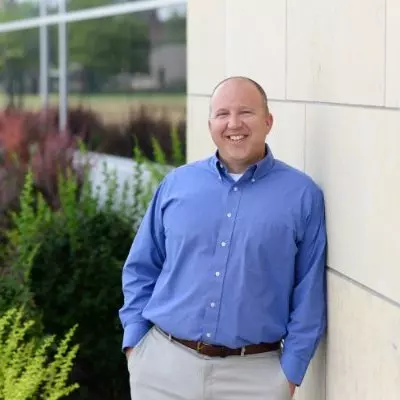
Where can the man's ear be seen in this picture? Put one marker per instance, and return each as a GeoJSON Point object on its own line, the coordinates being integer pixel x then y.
{"type": "Point", "coordinates": [269, 121]}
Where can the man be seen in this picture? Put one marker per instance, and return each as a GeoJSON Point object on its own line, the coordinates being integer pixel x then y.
{"type": "Point", "coordinates": [225, 282]}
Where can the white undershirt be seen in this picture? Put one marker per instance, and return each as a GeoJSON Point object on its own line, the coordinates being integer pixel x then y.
{"type": "Point", "coordinates": [236, 177]}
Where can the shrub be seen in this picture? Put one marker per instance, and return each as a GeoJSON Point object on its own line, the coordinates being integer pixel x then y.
{"type": "Point", "coordinates": [141, 129]}
{"type": "Point", "coordinates": [28, 143]}
{"type": "Point", "coordinates": [62, 245]}
{"type": "Point", "coordinates": [30, 140]}
{"type": "Point", "coordinates": [18, 252]}
{"type": "Point", "coordinates": [30, 368]}
{"type": "Point", "coordinates": [65, 262]}
{"type": "Point", "coordinates": [21, 131]}
{"type": "Point", "coordinates": [66, 265]}
{"type": "Point", "coordinates": [83, 285]}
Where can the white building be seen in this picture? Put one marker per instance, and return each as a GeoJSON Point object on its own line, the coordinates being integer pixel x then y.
{"type": "Point", "coordinates": [332, 72]}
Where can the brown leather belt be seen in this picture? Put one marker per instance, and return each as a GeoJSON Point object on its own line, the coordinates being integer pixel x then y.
{"type": "Point", "coordinates": [222, 351]}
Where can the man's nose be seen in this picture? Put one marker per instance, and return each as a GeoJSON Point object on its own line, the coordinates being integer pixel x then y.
{"type": "Point", "coordinates": [234, 121]}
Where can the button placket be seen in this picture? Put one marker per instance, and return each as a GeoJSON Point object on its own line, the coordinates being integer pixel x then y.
{"type": "Point", "coordinates": [221, 256]}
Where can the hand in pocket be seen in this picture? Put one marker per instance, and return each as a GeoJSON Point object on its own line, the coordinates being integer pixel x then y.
{"type": "Point", "coordinates": [128, 352]}
{"type": "Point", "coordinates": [292, 388]}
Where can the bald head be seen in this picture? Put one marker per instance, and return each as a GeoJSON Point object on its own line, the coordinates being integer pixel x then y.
{"type": "Point", "coordinates": [239, 122]}
{"type": "Point", "coordinates": [251, 82]}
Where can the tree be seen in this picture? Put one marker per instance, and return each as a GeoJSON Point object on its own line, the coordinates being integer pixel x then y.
{"type": "Point", "coordinates": [175, 29]}
{"type": "Point", "coordinates": [19, 52]}
{"type": "Point", "coordinates": [107, 46]}
{"type": "Point", "coordinates": [101, 48]}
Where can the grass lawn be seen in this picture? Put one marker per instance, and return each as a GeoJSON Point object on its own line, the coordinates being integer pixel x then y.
{"type": "Point", "coordinates": [116, 107]}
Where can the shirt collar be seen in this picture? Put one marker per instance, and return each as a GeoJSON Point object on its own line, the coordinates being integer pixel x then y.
{"type": "Point", "coordinates": [257, 170]}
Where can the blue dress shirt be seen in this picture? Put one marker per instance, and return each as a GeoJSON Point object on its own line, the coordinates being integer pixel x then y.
{"type": "Point", "coordinates": [231, 263]}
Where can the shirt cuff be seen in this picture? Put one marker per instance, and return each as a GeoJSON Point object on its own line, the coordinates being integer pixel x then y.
{"type": "Point", "coordinates": [294, 368]}
{"type": "Point", "coordinates": [133, 333]}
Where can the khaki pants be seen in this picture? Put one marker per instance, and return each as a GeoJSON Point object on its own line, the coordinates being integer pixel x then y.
{"type": "Point", "coordinates": [161, 369]}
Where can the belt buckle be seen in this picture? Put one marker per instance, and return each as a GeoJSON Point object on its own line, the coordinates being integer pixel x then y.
{"type": "Point", "coordinates": [200, 346]}
{"type": "Point", "coordinates": [223, 350]}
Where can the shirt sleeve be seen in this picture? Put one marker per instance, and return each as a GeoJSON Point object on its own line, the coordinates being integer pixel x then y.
{"type": "Point", "coordinates": [141, 270]}
{"type": "Point", "coordinates": [308, 306]}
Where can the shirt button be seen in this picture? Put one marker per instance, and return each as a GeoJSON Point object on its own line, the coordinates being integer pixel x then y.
{"type": "Point", "coordinates": [253, 180]}
{"type": "Point", "coordinates": [212, 305]}
{"type": "Point", "coordinates": [229, 215]}
{"type": "Point", "coordinates": [235, 189]}
{"type": "Point", "coordinates": [217, 274]}
{"type": "Point", "coordinates": [223, 244]}
{"type": "Point", "coordinates": [208, 334]}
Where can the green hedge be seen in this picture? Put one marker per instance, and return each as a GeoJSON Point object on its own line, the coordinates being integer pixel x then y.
{"type": "Point", "coordinates": [64, 265]}
{"type": "Point", "coordinates": [31, 368]}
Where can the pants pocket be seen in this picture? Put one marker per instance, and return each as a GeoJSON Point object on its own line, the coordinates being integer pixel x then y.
{"type": "Point", "coordinates": [285, 384]}
{"type": "Point", "coordinates": [134, 354]}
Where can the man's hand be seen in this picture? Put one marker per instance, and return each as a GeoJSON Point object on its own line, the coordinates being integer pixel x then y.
{"type": "Point", "coordinates": [292, 388]}
{"type": "Point", "coordinates": [128, 352]}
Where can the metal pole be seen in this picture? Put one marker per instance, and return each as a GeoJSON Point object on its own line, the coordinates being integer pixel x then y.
{"type": "Point", "coordinates": [44, 58]}
{"type": "Point", "coordinates": [112, 10]}
{"type": "Point", "coordinates": [62, 68]}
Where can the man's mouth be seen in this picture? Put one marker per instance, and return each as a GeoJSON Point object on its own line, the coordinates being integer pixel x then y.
{"type": "Point", "coordinates": [236, 138]}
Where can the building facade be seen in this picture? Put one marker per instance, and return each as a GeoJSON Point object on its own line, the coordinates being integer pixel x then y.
{"type": "Point", "coordinates": [332, 73]}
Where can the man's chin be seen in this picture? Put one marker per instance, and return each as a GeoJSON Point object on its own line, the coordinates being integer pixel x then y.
{"type": "Point", "coordinates": [238, 154]}
{"type": "Point", "coordinates": [240, 158]}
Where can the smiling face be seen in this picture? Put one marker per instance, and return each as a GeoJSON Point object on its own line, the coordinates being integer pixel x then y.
{"type": "Point", "coordinates": [239, 123]}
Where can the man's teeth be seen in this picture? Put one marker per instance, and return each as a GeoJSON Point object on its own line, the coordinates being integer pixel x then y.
{"type": "Point", "coordinates": [236, 137]}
